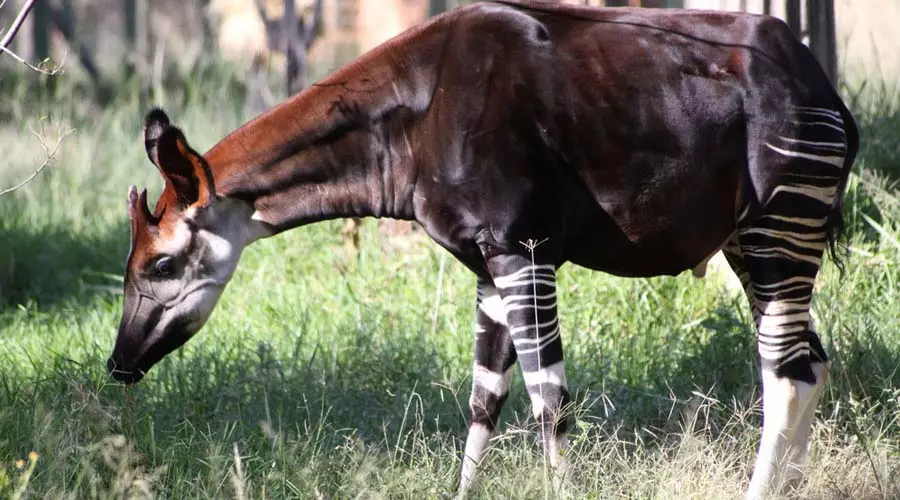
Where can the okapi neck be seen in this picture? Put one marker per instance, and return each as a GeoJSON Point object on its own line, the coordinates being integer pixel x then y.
{"type": "Point", "coordinates": [304, 162]}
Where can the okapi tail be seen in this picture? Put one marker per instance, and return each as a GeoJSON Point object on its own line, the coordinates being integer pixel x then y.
{"type": "Point", "coordinates": [835, 226]}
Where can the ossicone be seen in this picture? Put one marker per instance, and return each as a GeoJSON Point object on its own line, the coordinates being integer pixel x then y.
{"type": "Point", "coordinates": [138, 209]}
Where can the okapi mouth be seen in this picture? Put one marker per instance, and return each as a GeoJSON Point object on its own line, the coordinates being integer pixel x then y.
{"type": "Point", "coordinates": [172, 338]}
{"type": "Point", "coordinates": [124, 376]}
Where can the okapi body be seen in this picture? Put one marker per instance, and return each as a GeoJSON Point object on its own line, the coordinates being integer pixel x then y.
{"type": "Point", "coordinates": [634, 142]}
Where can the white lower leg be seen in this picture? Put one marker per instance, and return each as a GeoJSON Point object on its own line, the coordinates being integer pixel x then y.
{"type": "Point", "coordinates": [557, 447]}
{"type": "Point", "coordinates": [555, 444]}
{"type": "Point", "coordinates": [485, 409]}
{"type": "Point", "coordinates": [798, 448]}
{"type": "Point", "coordinates": [785, 404]}
{"type": "Point", "coordinates": [476, 443]}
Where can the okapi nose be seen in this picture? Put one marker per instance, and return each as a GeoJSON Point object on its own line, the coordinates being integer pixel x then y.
{"type": "Point", "coordinates": [126, 377]}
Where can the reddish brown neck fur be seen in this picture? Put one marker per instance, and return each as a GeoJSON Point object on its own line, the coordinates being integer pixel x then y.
{"type": "Point", "coordinates": [341, 148]}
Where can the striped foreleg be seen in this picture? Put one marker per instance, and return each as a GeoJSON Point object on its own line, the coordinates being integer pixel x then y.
{"type": "Point", "coordinates": [529, 299]}
{"type": "Point", "coordinates": [494, 358]}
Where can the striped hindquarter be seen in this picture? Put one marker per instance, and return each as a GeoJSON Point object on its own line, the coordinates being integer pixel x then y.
{"type": "Point", "coordinates": [517, 320]}
{"type": "Point", "coordinates": [776, 252]}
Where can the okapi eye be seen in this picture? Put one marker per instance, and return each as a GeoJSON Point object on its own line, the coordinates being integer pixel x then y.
{"type": "Point", "coordinates": [164, 267]}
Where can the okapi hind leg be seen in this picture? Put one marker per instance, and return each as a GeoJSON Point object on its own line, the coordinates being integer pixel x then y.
{"type": "Point", "coordinates": [491, 371]}
{"type": "Point", "coordinates": [782, 248]}
{"type": "Point", "coordinates": [793, 374]}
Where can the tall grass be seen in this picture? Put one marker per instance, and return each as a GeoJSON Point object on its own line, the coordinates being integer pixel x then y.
{"type": "Point", "coordinates": [321, 376]}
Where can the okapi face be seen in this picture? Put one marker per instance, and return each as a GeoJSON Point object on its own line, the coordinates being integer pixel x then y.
{"type": "Point", "coordinates": [181, 256]}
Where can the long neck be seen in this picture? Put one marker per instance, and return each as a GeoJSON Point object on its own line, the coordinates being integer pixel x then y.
{"type": "Point", "coordinates": [341, 148]}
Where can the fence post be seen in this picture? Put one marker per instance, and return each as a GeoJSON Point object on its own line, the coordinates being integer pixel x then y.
{"type": "Point", "coordinates": [820, 20]}
{"type": "Point", "coordinates": [792, 16]}
{"type": "Point", "coordinates": [40, 22]}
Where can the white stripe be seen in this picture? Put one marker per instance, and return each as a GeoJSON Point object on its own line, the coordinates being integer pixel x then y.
{"type": "Point", "coordinates": [532, 327]}
{"type": "Point", "coordinates": [522, 351]}
{"type": "Point", "coordinates": [554, 374]}
{"type": "Point", "coordinates": [518, 307]}
{"type": "Point", "coordinates": [778, 252]}
{"type": "Point", "coordinates": [823, 124]}
{"type": "Point", "coordinates": [527, 271]}
{"type": "Point", "coordinates": [836, 161]}
{"type": "Point", "coordinates": [817, 110]}
{"type": "Point", "coordinates": [495, 383]}
{"type": "Point", "coordinates": [552, 333]}
{"type": "Point", "coordinates": [789, 289]}
{"type": "Point", "coordinates": [770, 322]}
{"type": "Point", "coordinates": [783, 306]}
{"type": "Point", "coordinates": [794, 351]}
{"type": "Point", "coordinates": [784, 234]}
{"type": "Point", "coordinates": [795, 355]}
{"type": "Point", "coordinates": [514, 298]}
{"type": "Point", "coordinates": [815, 144]}
{"type": "Point", "coordinates": [799, 220]}
{"type": "Point", "coordinates": [822, 194]}
{"type": "Point", "coordinates": [795, 279]}
{"type": "Point", "coordinates": [526, 281]}
{"type": "Point", "coordinates": [492, 307]}
{"type": "Point", "coordinates": [792, 238]}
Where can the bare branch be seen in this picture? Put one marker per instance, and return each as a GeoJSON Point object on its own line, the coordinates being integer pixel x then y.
{"type": "Point", "coordinates": [17, 23]}
{"type": "Point", "coordinates": [49, 155]}
{"type": "Point", "coordinates": [11, 33]}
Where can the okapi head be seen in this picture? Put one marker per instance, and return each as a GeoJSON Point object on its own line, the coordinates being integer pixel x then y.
{"type": "Point", "coordinates": [182, 254]}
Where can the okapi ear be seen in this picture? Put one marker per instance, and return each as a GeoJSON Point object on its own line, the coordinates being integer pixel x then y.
{"type": "Point", "coordinates": [184, 169]}
{"type": "Point", "coordinates": [154, 125]}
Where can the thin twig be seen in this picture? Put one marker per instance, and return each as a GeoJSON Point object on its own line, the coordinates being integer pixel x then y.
{"type": "Point", "coordinates": [17, 23]}
{"type": "Point", "coordinates": [11, 33]}
{"type": "Point", "coordinates": [50, 154]}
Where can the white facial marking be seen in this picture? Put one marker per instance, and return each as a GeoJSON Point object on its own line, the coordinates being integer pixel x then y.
{"type": "Point", "coordinates": [220, 248]}
{"type": "Point", "coordinates": [181, 237]}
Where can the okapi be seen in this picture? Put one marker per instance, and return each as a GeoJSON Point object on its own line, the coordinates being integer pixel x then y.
{"type": "Point", "coordinates": [634, 142]}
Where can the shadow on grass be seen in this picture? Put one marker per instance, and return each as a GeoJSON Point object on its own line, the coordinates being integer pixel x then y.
{"type": "Point", "coordinates": [49, 265]}
{"type": "Point", "coordinates": [374, 390]}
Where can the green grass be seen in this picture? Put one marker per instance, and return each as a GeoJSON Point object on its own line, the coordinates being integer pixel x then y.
{"type": "Point", "coordinates": [325, 377]}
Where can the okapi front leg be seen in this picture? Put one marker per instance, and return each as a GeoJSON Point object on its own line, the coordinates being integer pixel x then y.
{"type": "Point", "coordinates": [529, 299]}
{"type": "Point", "coordinates": [494, 357]}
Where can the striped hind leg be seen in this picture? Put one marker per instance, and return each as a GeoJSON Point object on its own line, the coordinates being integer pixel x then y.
{"type": "Point", "coordinates": [494, 358]}
{"type": "Point", "coordinates": [781, 248]}
{"type": "Point", "coordinates": [528, 292]}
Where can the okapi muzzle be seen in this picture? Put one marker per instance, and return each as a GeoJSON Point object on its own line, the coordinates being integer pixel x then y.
{"type": "Point", "coordinates": [182, 255]}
